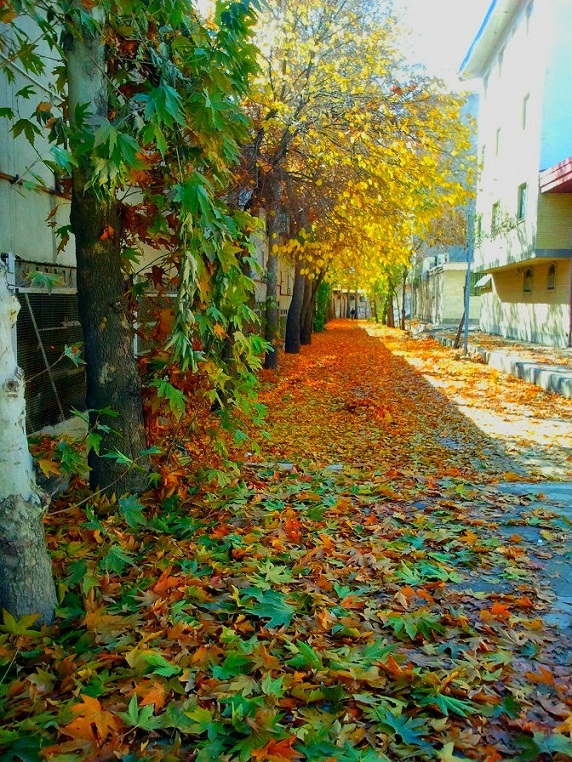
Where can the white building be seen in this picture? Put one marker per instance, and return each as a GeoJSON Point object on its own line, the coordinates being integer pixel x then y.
{"type": "Point", "coordinates": [523, 57]}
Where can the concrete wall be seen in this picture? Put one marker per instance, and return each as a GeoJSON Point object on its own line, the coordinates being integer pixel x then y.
{"type": "Point", "coordinates": [541, 316]}
{"type": "Point", "coordinates": [23, 213]}
{"type": "Point", "coordinates": [554, 221]}
{"type": "Point", "coordinates": [440, 297]}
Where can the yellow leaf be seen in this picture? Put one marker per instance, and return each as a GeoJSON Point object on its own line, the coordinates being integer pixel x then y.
{"type": "Point", "coordinates": [48, 467]}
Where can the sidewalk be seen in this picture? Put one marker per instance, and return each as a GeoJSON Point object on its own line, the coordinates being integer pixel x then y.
{"type": "Point", "coordinates": [547, 367]}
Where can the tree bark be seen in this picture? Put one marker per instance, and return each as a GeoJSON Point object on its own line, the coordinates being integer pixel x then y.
{"type": "Point", "coordinates": [390, 315]}
{"type": "Point", "coordinates": [113, 379]}
{"type": "Point", "coordinates": [272, 322]}
{"type": "Point", "coordinates": [26, 581]}
{"type": "Point", "coordinates": [293, 321]}
{"type": "Point", "coordinates": [403, 293]}
{"type": "Point", "coordinates": [307, 317]}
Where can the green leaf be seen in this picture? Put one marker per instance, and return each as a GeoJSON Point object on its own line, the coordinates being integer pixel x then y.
{"type": "Point", "coordinates": [64, 159]}
{"type": "Point", "coordinates": [541, 743]}
{"type": "Point", "coordinates": [407, 729]}
{"type": "Point", "coordinates": [305, 657]}
{"type": "Point", "coordinates": [175, 397]}
{"type": "Point", "coordinates": [159, 665]}
{"type": "Point", "coordinates": [73, 353]}
{"type": "Point", "coordinates": [30, 130]}
{"type": "Point", "coordinates": [132, 511]}
{"type": "Point", "coordinates": [44, 280]}
{"type": "Point", "coordinates": [143, 718]}
{"type": "Point", "coordinates": [24, 749]}
{"type": "Point", "coordinates": [509, 706]}
{"type": "Point", "coordinates": [271, 605]}
{"type": "Point", "coordinates": [235, 663]}
{"type": "Point", "coordinates": [271, 686]}
{"type": "Point", "coordinates": [448, 704]}
{"type": "Point", "coordinates": [116, 559]}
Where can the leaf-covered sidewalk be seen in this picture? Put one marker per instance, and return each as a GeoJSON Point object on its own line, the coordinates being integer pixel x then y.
{"type": "Point", "coordinates": [361, 592]}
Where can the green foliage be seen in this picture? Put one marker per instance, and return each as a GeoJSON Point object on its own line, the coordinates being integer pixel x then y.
{"type": "Point", "coordinates": [165, 149]}
{"type": "Point", "coordinates": [323, 297]}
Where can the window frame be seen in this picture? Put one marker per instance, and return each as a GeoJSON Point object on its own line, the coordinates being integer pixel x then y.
{"type": "Point", "coordinates": [528, 281]}
{"type": "Point", "coordinates": [522, 201]}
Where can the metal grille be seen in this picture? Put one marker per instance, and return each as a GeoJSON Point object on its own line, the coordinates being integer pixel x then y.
{"type": "Point", "coordinates": [46, 324]}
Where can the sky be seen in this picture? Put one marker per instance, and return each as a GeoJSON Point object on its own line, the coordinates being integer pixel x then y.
{"type": "Point", "coordinates": [442, 32]}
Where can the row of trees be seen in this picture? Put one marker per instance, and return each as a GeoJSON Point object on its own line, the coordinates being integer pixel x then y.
{"type": "Point", "coordinates": [176, 134]}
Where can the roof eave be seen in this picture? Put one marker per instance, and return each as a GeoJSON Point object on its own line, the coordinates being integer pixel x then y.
{"type": "Point", "coordinates": [498, 17]}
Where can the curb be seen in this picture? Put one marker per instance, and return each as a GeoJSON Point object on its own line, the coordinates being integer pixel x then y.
{"type": "Point", "coordinates": [552, 378]}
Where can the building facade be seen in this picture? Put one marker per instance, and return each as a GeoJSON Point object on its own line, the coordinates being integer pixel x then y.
{"type": "Point", "coordinates": [523, 234]}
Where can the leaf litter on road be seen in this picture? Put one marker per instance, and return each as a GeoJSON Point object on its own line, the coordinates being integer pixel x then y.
{"type": "Point", "coordinates": [389, 607]}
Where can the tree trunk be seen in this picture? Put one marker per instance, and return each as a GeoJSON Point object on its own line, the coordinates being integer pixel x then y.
{"type": "Point", "coordinates": [307, 316]}
{"type": "Point", "coordinates": [26, 581]}
{"type": "Point", "coordinates": [112, 375]}
{"type": "Point", "coordinates": [272, 322]}
{"type": "Point", "coordinates": [272, 312]}
{"type": "Point", "coordinates": [293, 321]}
{"type": "Point", "coordinates": [403, 293]}
{"type": "Point", "coordinates": [390, 316]}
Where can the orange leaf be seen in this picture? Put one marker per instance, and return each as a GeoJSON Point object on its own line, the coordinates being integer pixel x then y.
{"type": "Point", "coordinates": [497, 611]}
{"type": "Point", "coordinates": [154, 695]}
{"type": "Point", "coordinates": [108, 232]}
{"type": "Point", "coordinates": [278, 751]}
{"type": "Point", "coordinates": [93, 722]}
{"type": "Point", "coordinates": [545, 677]}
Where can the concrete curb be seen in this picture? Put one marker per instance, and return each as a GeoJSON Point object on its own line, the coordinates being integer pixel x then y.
{"type": "Point", "coordinates": [552, 378]}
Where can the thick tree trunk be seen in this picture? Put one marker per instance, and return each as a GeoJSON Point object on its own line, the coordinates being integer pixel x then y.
{"type": "Point", "coordinates": [403, 294]}
{"type": "Point", "coordinates": [112, 375]}
{"type": "Point", "coordinates": [293, 321]}
{"type": "Point", "coordinates": [26, 581]}
{"type": "Point", "coordinates": [272, 313]}
{"type": "Point", "coordinates": [390, 315]}
{"type": "Point", "coordinates": [272, 322]}
{"type": "Point", "coordinates": [307, 317]}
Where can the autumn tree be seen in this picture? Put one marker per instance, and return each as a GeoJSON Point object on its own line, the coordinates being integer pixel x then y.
{"type": "Point", "coordinates": [362, 139]}
{"type": "Point", "coordinates": [145, 128]}
{"type": "Point", "coordinates": [144, 122]}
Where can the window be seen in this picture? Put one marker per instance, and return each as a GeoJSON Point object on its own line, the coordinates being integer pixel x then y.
{"type": "Point", "coordinates": [525, 101]}
{"type": "Point", "coordinates": [495, 217]}
{"type": "Point", "coordinates": [521, 204]}
{"type": "Point", "coordinates": [497, 141]}
{"type": "Point", "coordinates": [527, 283]}
{"type": "Point", "coordinates": [551, 280]}
{"type": "Point", "coordinates": [480, 282]}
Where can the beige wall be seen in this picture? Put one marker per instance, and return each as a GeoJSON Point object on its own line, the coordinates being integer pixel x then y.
{"type": "Point", "coordinates": [441, 295]}
{"type": "Point", "coordinates": [554, 221]}
{"type": "Point", "coordinates": [541, 316]}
